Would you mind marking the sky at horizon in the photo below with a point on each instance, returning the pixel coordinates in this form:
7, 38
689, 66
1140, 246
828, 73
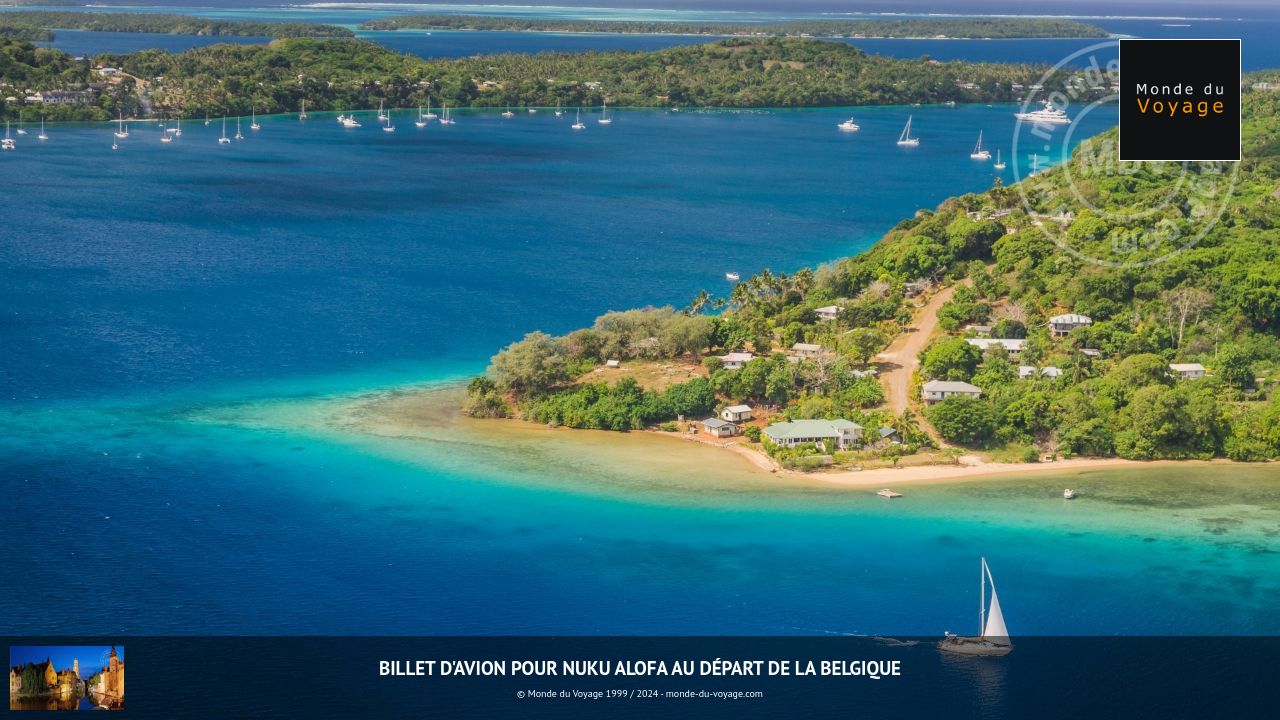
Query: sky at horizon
92, 657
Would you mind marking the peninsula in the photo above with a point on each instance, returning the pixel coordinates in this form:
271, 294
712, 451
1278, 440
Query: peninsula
164, 23
952, 28
982, 330
354, 74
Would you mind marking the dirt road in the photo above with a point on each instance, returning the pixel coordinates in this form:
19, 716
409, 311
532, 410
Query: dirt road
899, 360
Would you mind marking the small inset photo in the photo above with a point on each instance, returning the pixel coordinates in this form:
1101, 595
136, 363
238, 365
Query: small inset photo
66, 677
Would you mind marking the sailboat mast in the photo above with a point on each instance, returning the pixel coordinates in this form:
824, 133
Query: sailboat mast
982, 598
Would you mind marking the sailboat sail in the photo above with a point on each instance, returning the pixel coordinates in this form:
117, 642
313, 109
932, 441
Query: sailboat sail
994, 631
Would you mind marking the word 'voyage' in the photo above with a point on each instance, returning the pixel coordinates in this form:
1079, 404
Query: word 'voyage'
874, 669
1179, 100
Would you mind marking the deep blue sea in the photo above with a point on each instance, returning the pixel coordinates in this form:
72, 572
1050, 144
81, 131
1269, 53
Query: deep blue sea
178, 323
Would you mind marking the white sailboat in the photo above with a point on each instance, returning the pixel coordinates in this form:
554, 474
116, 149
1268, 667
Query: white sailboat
447, 119
508, 113
165, 136
905, 139
239, 135
122, 131
979, 152
849, 126
7, 143
253, 123
559, 112
388, 126
577, 124
382, 114
21, 130
422, 119
993, 635
349, 121
999, 163
224, 140
533, 111
177, 131
604, 115
206, 118
303, 114
42, 136
430, 115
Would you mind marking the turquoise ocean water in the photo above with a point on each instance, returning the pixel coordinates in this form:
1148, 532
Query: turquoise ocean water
176, 316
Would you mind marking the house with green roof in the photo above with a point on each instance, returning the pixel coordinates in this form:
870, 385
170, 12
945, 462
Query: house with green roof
838, 433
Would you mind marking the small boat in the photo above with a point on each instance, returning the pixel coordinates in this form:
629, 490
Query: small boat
533, 111
993, 636
177, 131
206, 119
578, 125
389, 126
950, 103
887, 493
224, 140
382, 114
447, 119
732, 276
239, 135
422, 119
999, 163
165, 137
508, 113
42, 136
1068, 494
849, 126
905, 139
604, 115
253, 123
979, 152
559, 112
430, 115
21, 130
349, 121
122, 130
302, 115
7, 143
115, 145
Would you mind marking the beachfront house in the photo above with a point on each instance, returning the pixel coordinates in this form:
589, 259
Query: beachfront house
1061, 325
736, 413
806, 350
939, 390
719, 428
830, 312
1187, 371
735, 360
1013, 346
839, 434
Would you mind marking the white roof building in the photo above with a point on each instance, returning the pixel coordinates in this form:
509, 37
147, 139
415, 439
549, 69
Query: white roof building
1013, 346
1187, 371
938, 390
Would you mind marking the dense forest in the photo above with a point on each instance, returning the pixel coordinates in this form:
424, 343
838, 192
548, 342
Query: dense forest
170, 24
907, 28
1015, 256
353, 74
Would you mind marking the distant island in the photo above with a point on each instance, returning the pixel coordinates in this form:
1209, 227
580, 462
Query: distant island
1001, 28
966, 329
33, 21
355, 74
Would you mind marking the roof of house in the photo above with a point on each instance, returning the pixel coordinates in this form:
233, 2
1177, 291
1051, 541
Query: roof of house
737, 357
715, 423
810, 347
1072, 319
828, 309
1185, 367
950, 386
887, 431
1050, 371
810, 428
1007, 343
1025, 370
739, 408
